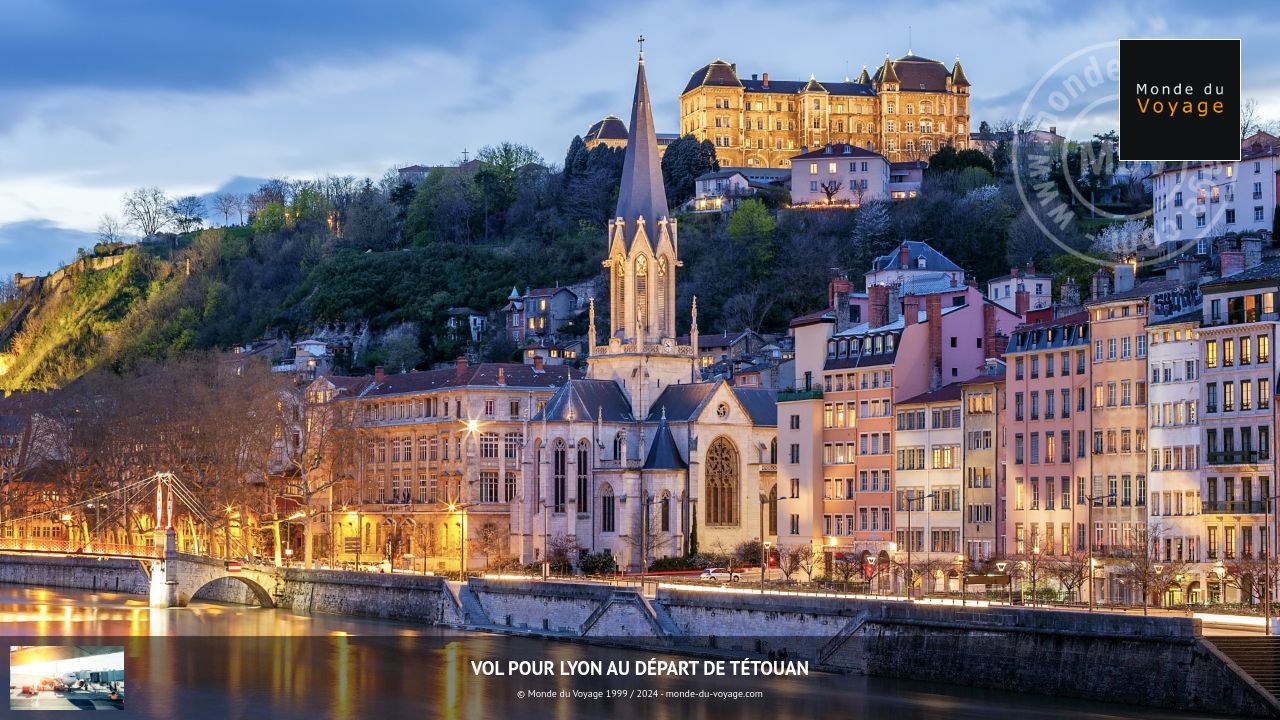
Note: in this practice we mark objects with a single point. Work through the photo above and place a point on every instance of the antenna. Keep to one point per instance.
(909, 40)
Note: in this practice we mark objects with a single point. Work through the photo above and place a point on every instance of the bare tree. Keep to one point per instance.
(1071, 571)
(791, 558)
(1252, 121)
(490, 540)
(1140, 563)
(148, 210)
(110, 229)
(831, 188)
(227, 204)
(188, 213)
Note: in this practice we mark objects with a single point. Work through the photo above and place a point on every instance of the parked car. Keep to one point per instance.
(720, 575)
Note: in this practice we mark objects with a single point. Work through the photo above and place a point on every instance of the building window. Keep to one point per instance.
(584, 459)
(722, 483)
(607, 522)
(558, 462)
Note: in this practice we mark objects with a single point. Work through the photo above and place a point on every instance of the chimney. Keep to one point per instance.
(877, 305)
(1252, 249)
(735, 67)
(461, 365)
(378, 374)
(1123, 278)
(766, 80)
(1021, 302)
(1070, 294)
(933, 315)
(1100, 285)
(1053, 129)
(1031, 268)
(502, 376)
(1230, 262)
(538, 363)
(1014, 272)
(910, 310)
(837, 287)
(989, 330)
(842, 311)
(1189, 270)
(904, 256)
(893, 304)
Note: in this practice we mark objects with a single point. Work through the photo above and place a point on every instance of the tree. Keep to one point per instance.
(1140, 563)
(400, 349)
(1124, 240)
(370, 220)
(147, 210)
(684, 160)
(831, 188)
(1252, 121)
(110, 230)
(754, 233)
(320, 441)
(491, 540)
(562, 551)
(872, 235)
(792, 558)
(1071, 571)
(228, 204)
(188, 213)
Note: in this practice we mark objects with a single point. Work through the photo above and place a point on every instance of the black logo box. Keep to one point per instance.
(1187, 68)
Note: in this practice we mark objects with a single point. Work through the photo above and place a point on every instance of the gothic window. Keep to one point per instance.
(558, 476)
(606, 509)
(619, 294)
(664, 513)
(722, 483)
(773, 510)
(619, 445)
(664, 284)
(583, 462)
(642, 296)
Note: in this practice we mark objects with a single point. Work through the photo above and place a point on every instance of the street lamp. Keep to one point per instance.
(1221, 571)
(764, 546)
(1008, 581)
(1089, 531)
(462, 529)
(911, 499)
(1159, 571)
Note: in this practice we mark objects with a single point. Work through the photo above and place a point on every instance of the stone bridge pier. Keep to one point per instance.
(179, 576)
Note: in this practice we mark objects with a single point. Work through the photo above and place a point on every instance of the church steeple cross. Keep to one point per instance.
(640, 42)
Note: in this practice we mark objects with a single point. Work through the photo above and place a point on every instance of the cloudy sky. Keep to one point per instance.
(99, 97)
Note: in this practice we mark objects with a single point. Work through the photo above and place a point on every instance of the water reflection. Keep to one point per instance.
(225, 661)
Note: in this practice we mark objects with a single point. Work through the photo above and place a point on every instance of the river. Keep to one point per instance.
(220, 661)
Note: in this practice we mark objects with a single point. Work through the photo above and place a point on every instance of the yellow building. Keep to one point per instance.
(906, 111)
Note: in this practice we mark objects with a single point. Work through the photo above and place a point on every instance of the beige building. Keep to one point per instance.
(907, 110)
(982, 405)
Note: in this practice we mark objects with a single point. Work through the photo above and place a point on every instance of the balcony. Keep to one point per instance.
(796, 395)
(1234, 457)
(1231, 507)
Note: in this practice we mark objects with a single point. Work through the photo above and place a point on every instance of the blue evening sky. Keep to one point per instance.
(100, 97)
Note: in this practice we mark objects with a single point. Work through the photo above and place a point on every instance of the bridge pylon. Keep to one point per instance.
(164, 580)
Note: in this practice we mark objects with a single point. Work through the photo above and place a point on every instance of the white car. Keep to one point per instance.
(720, 575)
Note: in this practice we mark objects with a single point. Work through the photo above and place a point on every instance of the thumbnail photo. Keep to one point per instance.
(66, 677)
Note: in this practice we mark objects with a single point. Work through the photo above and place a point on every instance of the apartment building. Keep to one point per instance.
(1237, 336)
(982, 415)
(1173, 419)
(1046, 430)
(929, 484)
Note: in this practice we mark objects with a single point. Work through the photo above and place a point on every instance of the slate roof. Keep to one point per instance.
(681, 402)
(933, 260)
(721, 74)
(1193, 314)
(946, 393)
(760, 404)
(1269, 270)
(516, 375)
(585, 399)
(664, 454)
(1140, 290)
(839, 150)
(914, 72)
(610, 128)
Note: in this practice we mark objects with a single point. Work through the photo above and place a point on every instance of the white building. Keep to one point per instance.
(1196, 202)
(929, 479)
(840, 174)
(1173, 412)
(722, 189)
(1038, 286)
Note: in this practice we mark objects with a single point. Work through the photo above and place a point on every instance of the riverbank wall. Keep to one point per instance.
(1152, 661)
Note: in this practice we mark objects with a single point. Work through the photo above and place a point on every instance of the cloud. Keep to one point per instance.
(33, 247)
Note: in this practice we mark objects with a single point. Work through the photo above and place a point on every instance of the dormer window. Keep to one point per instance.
(920, 262)
(879, 345)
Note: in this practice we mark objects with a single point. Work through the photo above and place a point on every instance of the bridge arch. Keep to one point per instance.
(259, 592)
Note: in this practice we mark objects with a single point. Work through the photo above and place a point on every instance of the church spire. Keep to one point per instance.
(642, 193)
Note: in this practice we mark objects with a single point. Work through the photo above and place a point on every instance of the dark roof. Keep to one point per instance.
(1034, 336)
(1140, 290)
(353, 384)
(793, 87)
(945, 393)
(933, 260)
(718, 73)
(1268, 271)
(838, 150)
(824, 315)
(642, 193)
(540, 292)
(715, 340)
(517, 375)
(680, 402)
(750, 173)
(588, 400)
(958, 78)
(760, 404)
(610, 128)
(663, 453)
(913, 72)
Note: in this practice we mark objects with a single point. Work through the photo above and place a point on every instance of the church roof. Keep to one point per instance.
(761, 404)
(664, 454)
(582, 400)
(681, 402)
(642, 193)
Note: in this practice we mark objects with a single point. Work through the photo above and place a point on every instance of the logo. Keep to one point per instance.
(1180, 100)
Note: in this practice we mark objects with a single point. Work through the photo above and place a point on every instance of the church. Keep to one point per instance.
(641, 458)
